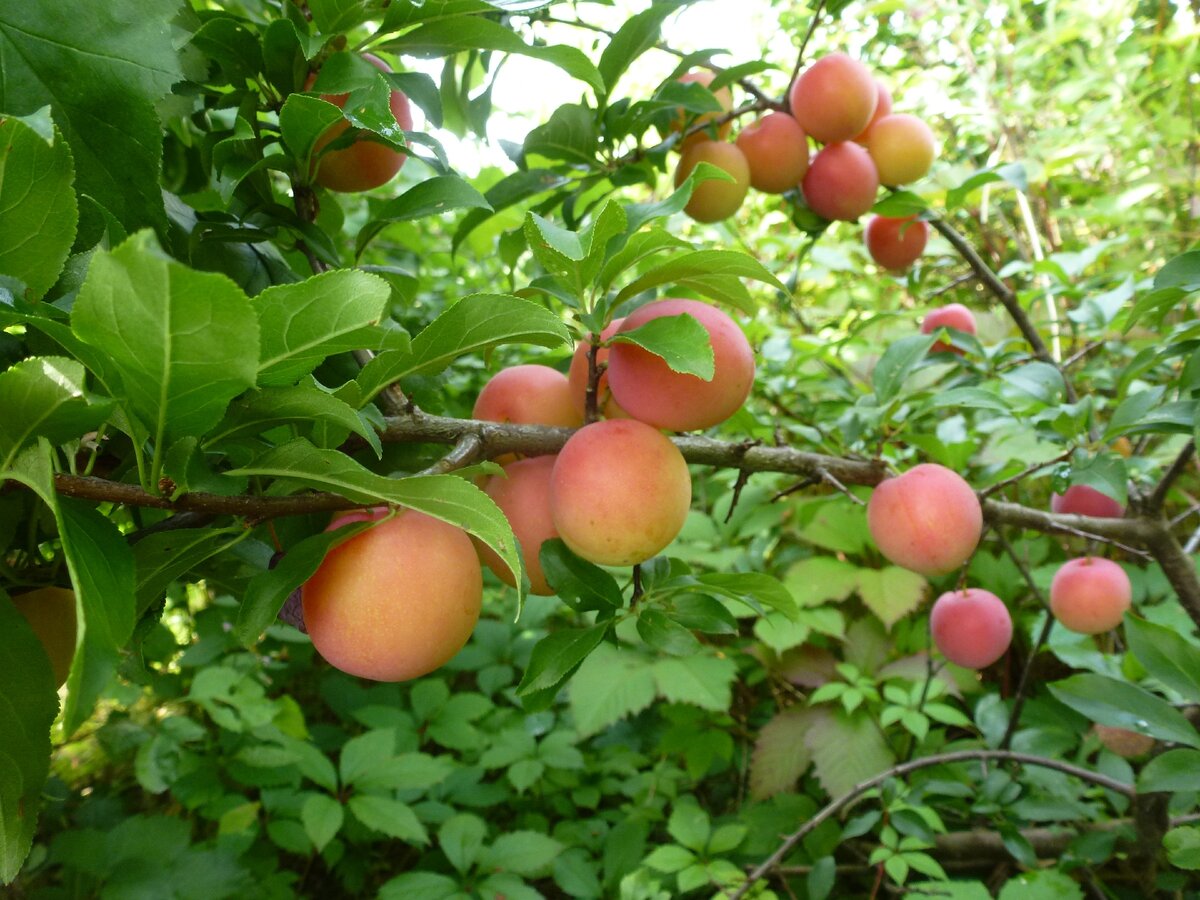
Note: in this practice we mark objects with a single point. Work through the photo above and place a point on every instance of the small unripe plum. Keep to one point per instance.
(396, 601)
(50, 612)
(1082, 500)
(713, 200)
(722, 95)
(366, 163)
(902, 148)
(841, 182)
(971, 627)
(883, 107)
(954, 316)
(834, 98)
(927, 519)
(650, 391)
(896, 243)
(777, 150)
(528, 394)
(620, 492)
(1090, 595)
(577, 376)
(1124, 742)
(523, 495)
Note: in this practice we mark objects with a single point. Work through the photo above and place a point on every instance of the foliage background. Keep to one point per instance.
(776, 660)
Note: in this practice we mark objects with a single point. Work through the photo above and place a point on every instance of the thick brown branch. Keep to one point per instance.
(847, 799)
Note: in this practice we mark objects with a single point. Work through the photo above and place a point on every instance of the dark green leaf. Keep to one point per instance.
(44, 396)
(431, 197)
(665, 635)
(393, 818)
(554, 659)
(1112, 702)
(569, 135)
(637, 34)
(681, 341)
(1167, 655)
(578, 582)
(898, 362)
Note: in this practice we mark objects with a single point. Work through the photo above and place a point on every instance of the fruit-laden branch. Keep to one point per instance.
(834, 807)
(474, 439)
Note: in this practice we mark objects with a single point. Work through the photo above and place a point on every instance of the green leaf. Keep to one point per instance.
(1183, 847)
(303, 120)
(780, 755)
(1181, 272)
(322, 816)
(472, 325)
(819, 579)
(682, 342)
(637, 34)
(44, 396)
(665, 635)
(303, 323)
(1105, 472)
(689, 824)
(522, 852)
(450, 36)
(569, 135)
(38, 211)
(28, 705)
(306, 404)
(1178, 417)
(447, 497)
(846, 750)
(461, 839)
(708, 272)
(1167, 655)
(122, 59)
(391, 817)
(891, 593)
(268, 591)
(554, 659)
(610, 685)
(670, 858)
(755, 589)
(362, 756)
(702, 680)
(510, 190)
(1039, 380)
(431, 197)
(185, 342)
(898, 362)
(420, 886)
(1173, 770)
(1112, 702)
(580, 583)
(1013, 173)
(161, 558)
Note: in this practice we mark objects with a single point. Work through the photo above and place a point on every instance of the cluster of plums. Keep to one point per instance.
(617, 494)
(929, 520)
(839, 104)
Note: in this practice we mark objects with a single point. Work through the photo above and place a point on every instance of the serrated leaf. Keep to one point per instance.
(322, 817)
(447, 497)
(38, 210)
(846, 749)
(569, 135)
(185, 342)
(697, 269)
(1167, 655)
(819, 579)
(1111, 702)
(683, 343)
(303, 323)
(510, 190)
(267, 408)
(461, 839)
(431, 197)
(662, 633)
(582, 584)
(474, 324)
(523, 852)
(702, 680)
(44, 396)
(610, 685)
(123, 69)
(28, 705)
(554, 659)
(391, 817)
(363, 755)
(780, 755)
(898, 362)
(303, 119)
(891, 593)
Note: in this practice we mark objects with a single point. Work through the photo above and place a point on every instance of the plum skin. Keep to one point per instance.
(971, 627)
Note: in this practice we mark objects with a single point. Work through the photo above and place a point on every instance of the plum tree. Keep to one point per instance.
(902, 148)
(896, 243)
(954, 316)
(971, 627)
(1123, 742)
(1081, 500)
(649, 390)
(523, 495)
(577, 376)
(396, 601)
(723, 96)
(927, 519)
(841, 182)
(714, 199)
(883, 107)
(529, 394)
(366, 163)
(1090, 594)
(834, 98)
(50, 612)
(620, 492)
(776, 150)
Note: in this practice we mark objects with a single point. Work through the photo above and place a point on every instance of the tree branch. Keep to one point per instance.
(834, 807)
(1154, 503)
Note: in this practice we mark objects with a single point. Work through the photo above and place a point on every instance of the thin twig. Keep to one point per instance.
(1014, 717)
(1023, 474)
(1154, 503)
(812, 27)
